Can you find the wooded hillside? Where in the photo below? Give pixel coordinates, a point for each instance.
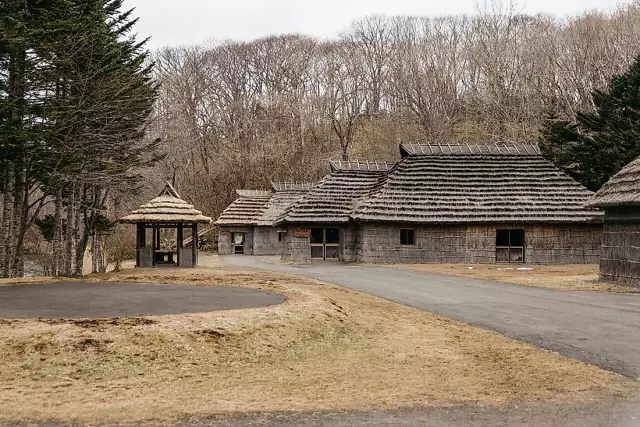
(234, 115)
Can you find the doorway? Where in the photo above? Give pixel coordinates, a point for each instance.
(325, 243)
(238, 240)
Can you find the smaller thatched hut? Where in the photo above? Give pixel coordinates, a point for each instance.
(620, 199)
(248, 225)
(167, 210)
(318, 225)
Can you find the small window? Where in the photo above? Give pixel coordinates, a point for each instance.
(510, 245)
(407, 237)
(280, 237)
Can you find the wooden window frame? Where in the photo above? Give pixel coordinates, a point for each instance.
(510, 246)
(413, 236)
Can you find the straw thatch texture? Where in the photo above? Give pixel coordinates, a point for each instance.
(334, 198)
(247, 209)
(622, 190)
(476, 188)
(411, 148)
(168, 207)
(278, 206)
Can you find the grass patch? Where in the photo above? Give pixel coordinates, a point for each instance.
(326, 348)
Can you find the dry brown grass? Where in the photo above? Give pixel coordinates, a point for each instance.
(577, 277)
(326, 348)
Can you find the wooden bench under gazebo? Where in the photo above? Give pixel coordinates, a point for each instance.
(167, 211)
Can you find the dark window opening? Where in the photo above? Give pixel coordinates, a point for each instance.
(317, 235)
(332, 235)
(510, 246)
(280, 237)
(407, 237)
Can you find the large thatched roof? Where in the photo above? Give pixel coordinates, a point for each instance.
(504, 183)
(168, 207)
(335, 197)
(623, 189)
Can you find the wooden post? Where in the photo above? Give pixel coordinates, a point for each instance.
(153, 246)
(194, 244)
(138, 243)
(180, 242)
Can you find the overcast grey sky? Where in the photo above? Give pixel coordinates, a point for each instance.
(177, 22)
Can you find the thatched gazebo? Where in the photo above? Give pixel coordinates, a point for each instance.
(620, 199)
(167, 210)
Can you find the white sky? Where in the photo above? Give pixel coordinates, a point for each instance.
(180, 22)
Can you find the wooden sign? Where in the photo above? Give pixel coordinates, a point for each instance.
(224, 233)
(302, 233)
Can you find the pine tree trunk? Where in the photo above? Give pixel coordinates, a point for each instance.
(80, 233)
(5, 226)
(58, 236)
(20, 219)
(69, 234)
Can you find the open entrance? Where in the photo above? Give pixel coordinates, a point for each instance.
(325, 243)
(510, 245)
(238, 240)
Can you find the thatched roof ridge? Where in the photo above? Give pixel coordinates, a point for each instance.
(278, 207)
(495, 148)
(254, 193)
(247, 209)
(292, 186)
(623, 189)
(476, 188)
(168, 207)
(334, 198)
(359, 165)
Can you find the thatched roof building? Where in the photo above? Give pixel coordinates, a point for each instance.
(167, 211)
(336, 196)
(499, 202)
(622, 190)
(247, 209)
(620, 253)
(479, 183)
(167, 208)
(247, 225)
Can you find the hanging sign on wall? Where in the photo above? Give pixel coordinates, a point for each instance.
(302, 233)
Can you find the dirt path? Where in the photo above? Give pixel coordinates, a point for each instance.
(595, 327)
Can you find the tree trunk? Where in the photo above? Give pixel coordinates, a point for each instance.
(58, 236)
(5, 226)
(69, 234)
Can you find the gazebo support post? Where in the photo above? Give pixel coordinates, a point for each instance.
(153, 246)
(180, 242)
(194, 244)
(140, 242)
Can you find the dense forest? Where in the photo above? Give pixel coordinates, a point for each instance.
(91, 124)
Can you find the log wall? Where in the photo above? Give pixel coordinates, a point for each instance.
(296, 249)
(265, 241)
(620, 259)
(544, 244)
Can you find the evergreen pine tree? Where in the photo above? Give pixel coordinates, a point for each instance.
(599, 144)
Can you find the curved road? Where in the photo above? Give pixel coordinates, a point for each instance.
(595, 327)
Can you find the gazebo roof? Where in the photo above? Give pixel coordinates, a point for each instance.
(168, 207)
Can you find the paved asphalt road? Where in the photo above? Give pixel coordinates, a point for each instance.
(595, 327)
(74, 300)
